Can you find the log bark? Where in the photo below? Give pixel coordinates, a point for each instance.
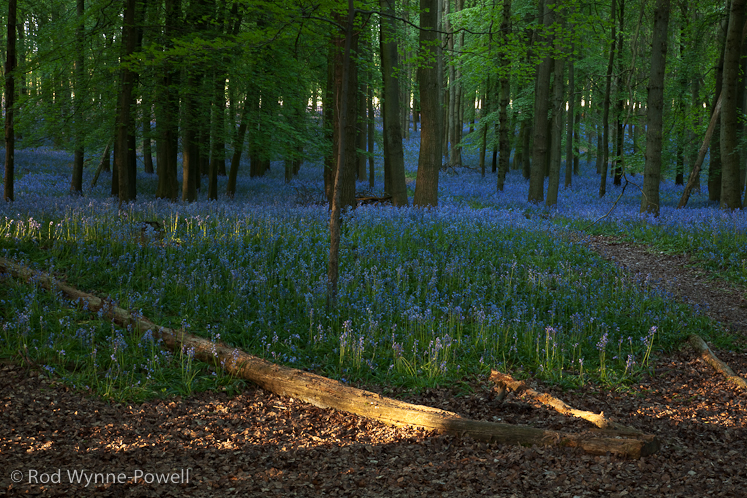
(327, 393)
(504, 381)
(707, 355)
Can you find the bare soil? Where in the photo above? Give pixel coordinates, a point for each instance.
(260, 444)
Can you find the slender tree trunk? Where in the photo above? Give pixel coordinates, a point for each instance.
(606, 105)
(76, 186)
(483, 122)
(10, 92)
(715, 163)
(557, 123)
(429, 83)
(504, 146)
(345, 83)
(394, 162)
(124, 120)
(328, 124)
(147, 147)
(346, 172)
(167, 114)
(526, 144)
(541, 100)
(730, 186)
(655, 108)
(570, 125)
(371, 130)
(620, 102)
(361, 129)
(696, 108)
(238, 149)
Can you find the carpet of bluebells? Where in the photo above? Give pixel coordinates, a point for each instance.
(426, 297)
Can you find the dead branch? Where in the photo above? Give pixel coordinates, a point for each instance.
(327, 393)
(506, 381)
(104, 156)
(707, 355)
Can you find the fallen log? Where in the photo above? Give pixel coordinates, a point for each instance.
(707, 355)
(504, 381)
(327, 393)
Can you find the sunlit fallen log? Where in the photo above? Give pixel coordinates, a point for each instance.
(327, 393)
(707, 355)
(598, 419)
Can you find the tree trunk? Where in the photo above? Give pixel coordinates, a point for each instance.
(10, 92)
(361, 130)
(394, 162)
(124, 120)
(429, 83)
(347, 170)
(655, 107)
(371, 130)
(620, 102)
(484, 110)
(504, 147)
(541, 101)
(328, 124)
(167, 114)
(238, 149)
(570, 125)
(557, 131)
(731, 191)
(147, 147)
(76, 186)
(343, 104)
(714, 165)
(606, 106)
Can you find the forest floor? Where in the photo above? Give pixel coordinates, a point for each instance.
(260, 444)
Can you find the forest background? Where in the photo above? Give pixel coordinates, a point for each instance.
(313, 95)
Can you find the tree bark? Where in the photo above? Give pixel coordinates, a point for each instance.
(167, 114)
(655, 108)
(10, 92)
(429, 83)
(343, 104)
(504, 146)
(541, 120)
(620, 102)
(327, 393)
(570, 125)
(76, 185)
(147, 146)
(602, 162)
(124, 120)
(371, 130)
(394, 161)
(345, 130)
(599, 420)
(238, 149)
(731, 191)
(714, 165)
(557, 132)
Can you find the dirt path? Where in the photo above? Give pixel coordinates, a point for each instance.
(259, 444)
